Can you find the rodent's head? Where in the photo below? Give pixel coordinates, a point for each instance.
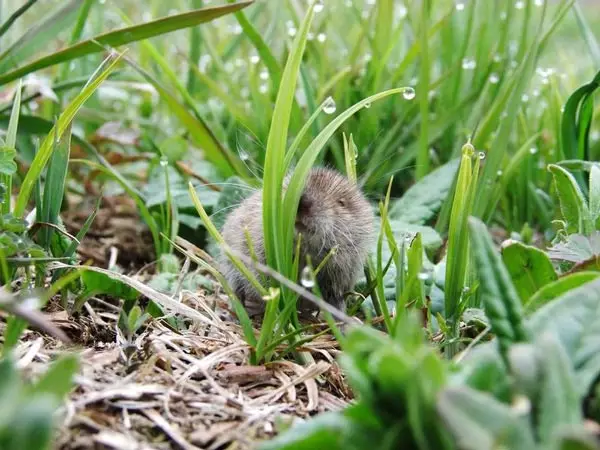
(333, 211)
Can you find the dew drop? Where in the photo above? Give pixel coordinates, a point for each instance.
(468, 64)
(466, 290)
(264, 75)
(306, 278)
(254, 59)
(367, 105)
(481, 155)
(460, 6)
(497, 58)
(321, 37)
(292, 31)
(164, 161)
(520, 4)
(424, 275)
(499, 173)
(329, 106)
(533, 150)
(319, 6)
(525, 98)
(538, 2)
(244, 156)
(263, 88)
(494, 78)
(402, 12)
(409, 93)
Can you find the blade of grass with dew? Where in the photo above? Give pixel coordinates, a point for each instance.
(54, 187)
(124, 36)
(43, 31)
(8, 151)
(63, 122)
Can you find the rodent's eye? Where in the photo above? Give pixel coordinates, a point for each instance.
(342, 202)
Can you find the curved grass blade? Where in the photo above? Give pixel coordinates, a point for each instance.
(124, 36)
(63, 122)
(14, 16)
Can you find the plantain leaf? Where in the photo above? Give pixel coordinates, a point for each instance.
(572, 202)
(529, 267)
(557, 288)
(574, 318)
(423, 200)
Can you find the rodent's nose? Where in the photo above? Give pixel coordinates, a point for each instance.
(305, 205)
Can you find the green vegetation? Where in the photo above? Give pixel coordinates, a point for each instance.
(471, 127)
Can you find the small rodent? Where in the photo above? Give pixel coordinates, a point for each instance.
(332, 212)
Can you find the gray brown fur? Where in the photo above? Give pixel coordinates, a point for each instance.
(332, 212)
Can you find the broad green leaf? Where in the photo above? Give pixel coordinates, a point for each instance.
(423, 200)
(572, 202)
(576, 248)
(559, 403)
(575, 438)
(8, 166)
(124, 36)
(529, 267)
(10, 389)
(557, 288)
(574, 318)
(498, 295)
(480, 422)
(64, 121)
(58, 379)
(31, 428)
(100, 283)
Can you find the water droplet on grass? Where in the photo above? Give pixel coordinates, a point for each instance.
(263, 88)
(264, 75)
(292, 31)
(499, 173)
(164, 161)
(538, 2)
(254, 59)
(409, 93)
(481, 155)
(424, 275)
(319, 6)
(494, 78)
(468, 64)
(321, 37)
(533, 150)
(329, 105)
(306, 278)
(368, 105)
(520, 4)
(460, 6)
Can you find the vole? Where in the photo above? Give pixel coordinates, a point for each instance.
(332, 212)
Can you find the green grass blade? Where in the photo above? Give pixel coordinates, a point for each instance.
(423, 153)
(54, 188)
(45, 30)
(124, 36)
(63, 122)
(9, 150)
(15, 15)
